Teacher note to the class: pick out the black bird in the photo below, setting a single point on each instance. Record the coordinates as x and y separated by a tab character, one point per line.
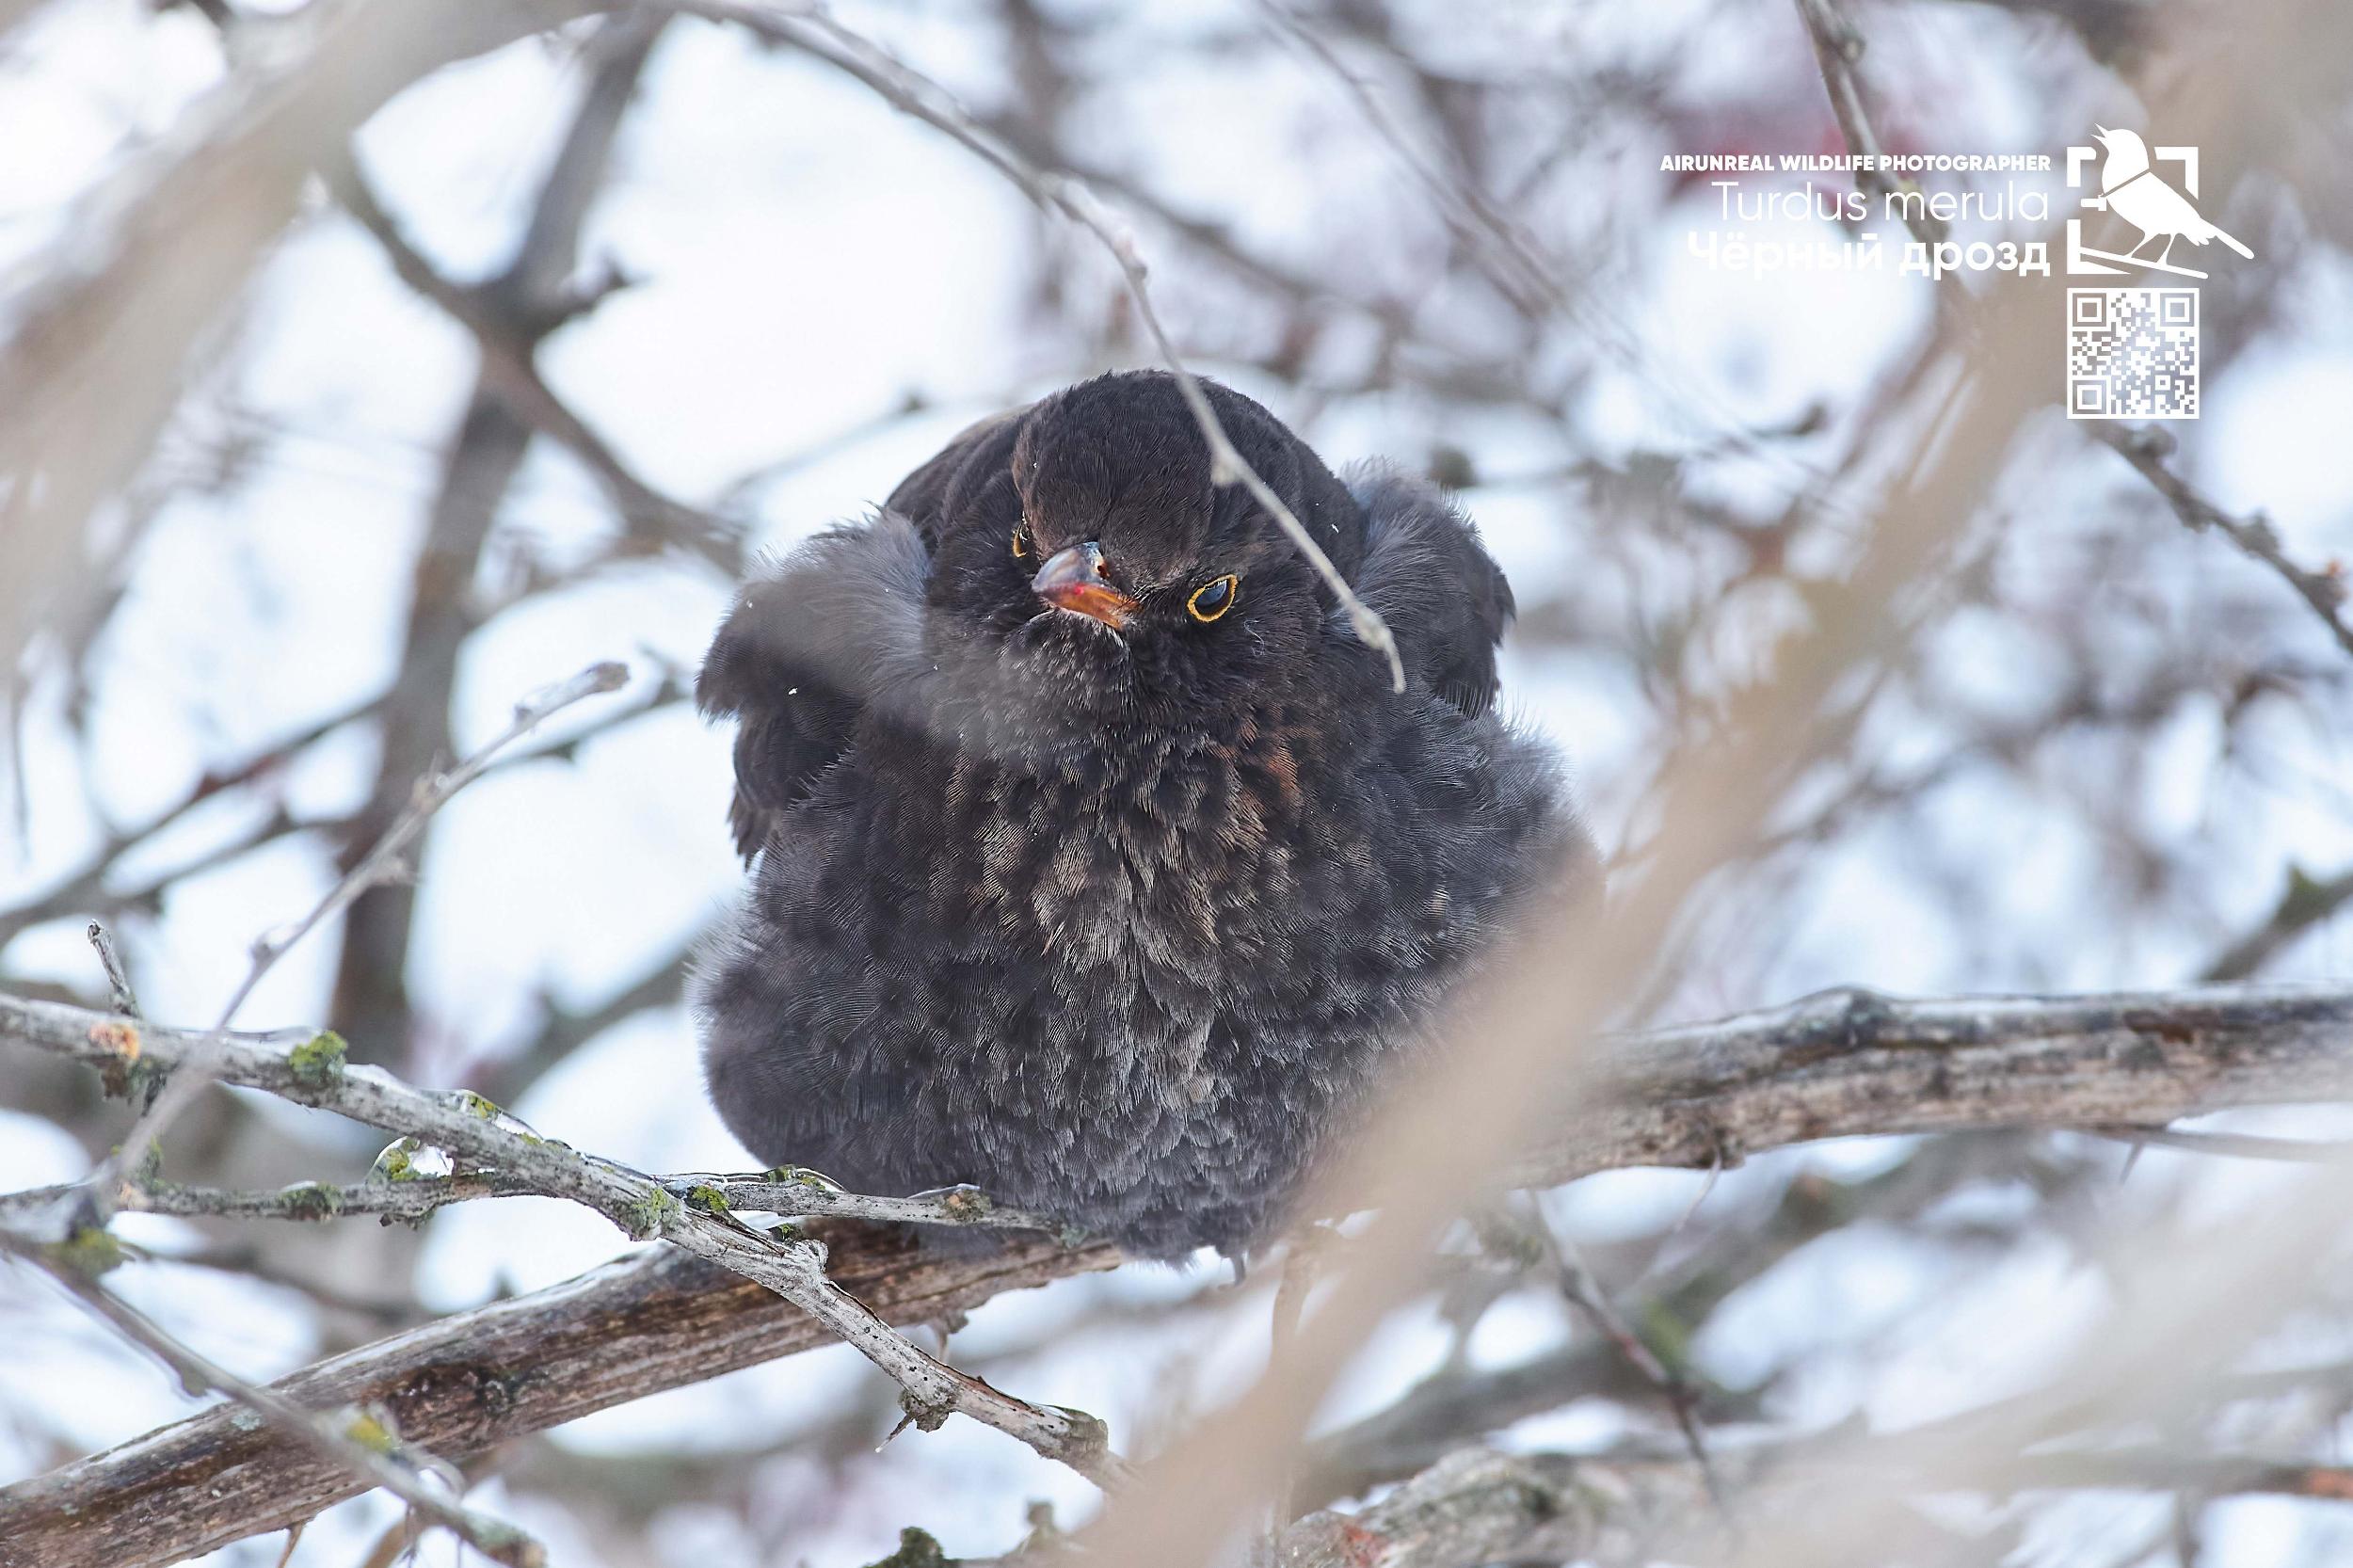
1095	861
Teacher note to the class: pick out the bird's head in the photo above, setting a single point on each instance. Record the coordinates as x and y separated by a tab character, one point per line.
2125	146
1102	576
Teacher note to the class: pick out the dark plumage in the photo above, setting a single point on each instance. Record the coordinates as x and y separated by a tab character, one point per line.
1118	922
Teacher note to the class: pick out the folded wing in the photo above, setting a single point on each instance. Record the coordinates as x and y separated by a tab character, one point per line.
809	645
1426	574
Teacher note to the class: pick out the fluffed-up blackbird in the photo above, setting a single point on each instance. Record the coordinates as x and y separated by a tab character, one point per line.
1096	863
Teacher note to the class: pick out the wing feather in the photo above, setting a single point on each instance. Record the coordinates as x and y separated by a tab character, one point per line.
811	644
1429	576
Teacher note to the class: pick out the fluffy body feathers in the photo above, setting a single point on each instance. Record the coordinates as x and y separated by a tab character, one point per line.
1120	925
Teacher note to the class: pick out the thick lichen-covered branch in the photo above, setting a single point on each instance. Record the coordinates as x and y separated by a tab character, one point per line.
1852	1062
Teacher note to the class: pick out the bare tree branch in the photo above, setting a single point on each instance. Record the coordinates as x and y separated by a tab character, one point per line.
361	1445
511	314
395	1192
1458	1404
510	370
1478	1507
1585	1292
808	1194
1841	1065
657	1319
90	891
1510	256
119	993
2233	1145
506	1076
86	890
1855	1062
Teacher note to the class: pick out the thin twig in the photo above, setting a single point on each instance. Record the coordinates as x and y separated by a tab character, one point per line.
787	1192
809	29
119	993
155	251
310	1202
2234	1145
2303	904
1584	1292
2148	447
88	891
1529	279
362	1442
197	1073
1838	49
385	1312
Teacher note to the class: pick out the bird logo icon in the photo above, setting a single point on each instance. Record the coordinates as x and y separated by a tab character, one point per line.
2131	187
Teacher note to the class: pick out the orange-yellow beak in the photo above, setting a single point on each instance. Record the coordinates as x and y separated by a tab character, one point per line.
1079	580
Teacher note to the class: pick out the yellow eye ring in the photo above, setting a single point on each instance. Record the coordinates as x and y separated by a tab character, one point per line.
1021	540
1220	596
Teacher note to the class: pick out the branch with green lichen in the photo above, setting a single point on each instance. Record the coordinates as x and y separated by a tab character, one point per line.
303	1202
310	1069
399	1190
796	1193
392	1201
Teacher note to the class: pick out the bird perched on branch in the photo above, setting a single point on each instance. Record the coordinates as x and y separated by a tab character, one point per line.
1095	861
2132	188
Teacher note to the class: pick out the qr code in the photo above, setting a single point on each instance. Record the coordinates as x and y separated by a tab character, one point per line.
2132	353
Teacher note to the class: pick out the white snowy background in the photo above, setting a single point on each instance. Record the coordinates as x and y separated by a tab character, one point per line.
807	264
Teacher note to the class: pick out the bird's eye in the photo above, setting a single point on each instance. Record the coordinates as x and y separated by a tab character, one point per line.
1023	546
1212	599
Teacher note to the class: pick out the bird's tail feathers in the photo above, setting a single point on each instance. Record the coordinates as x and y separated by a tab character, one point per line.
2233	244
